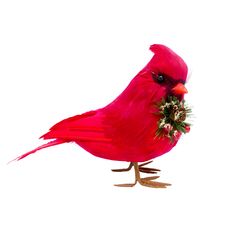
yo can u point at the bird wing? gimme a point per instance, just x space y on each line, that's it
85 127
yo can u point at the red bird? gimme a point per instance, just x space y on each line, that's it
126 129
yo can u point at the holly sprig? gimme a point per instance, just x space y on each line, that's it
173 114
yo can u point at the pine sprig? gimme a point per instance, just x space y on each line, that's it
173 114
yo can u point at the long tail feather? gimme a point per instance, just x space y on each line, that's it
49 144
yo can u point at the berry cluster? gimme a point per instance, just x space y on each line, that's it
173 115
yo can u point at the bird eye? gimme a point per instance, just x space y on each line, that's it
159 78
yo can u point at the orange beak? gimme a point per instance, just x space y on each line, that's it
179 89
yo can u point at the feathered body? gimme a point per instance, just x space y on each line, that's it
125 129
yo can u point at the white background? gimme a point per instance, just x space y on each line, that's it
61 58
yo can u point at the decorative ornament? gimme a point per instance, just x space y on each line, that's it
123 130
172 122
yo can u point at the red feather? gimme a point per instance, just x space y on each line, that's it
49 144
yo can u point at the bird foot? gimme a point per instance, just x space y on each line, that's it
147 169
125 169
141 168
147 182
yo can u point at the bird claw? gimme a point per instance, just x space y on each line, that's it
150 178
124 185
145 163
124 169
141 168
153 184
120 170
148 170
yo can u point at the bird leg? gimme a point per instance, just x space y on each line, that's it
148 181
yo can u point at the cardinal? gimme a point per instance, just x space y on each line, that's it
144 122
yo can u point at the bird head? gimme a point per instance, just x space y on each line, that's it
167 72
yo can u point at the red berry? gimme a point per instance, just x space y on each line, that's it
187 128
